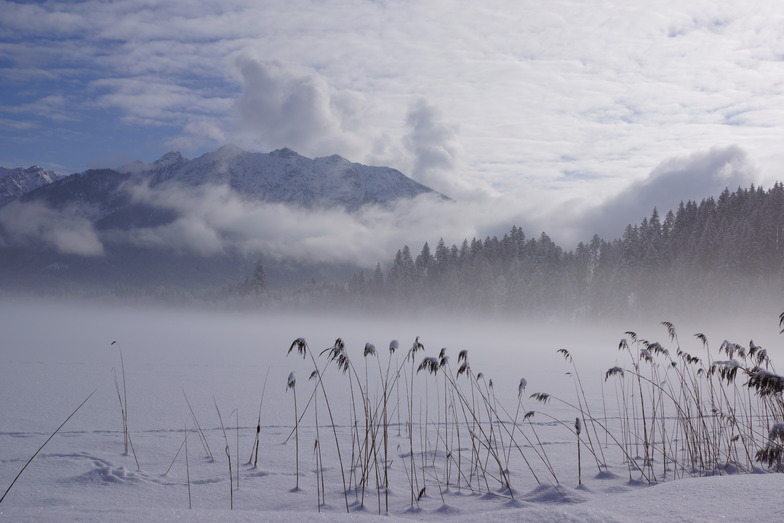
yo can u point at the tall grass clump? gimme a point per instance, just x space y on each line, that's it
716 409
302 349
679 414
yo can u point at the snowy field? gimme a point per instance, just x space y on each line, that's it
55 355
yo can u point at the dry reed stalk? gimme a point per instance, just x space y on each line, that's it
578 430
291 383
71 415
317 451
227 451
255 447
187 468
202 438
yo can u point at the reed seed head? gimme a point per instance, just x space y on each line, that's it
541 397
429 364
727 370
670 330
521 387
612 372
656 348
776 432
301 345
765 382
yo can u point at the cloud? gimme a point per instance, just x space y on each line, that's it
285 107
17 125
693 177
434 148
63 230
605 93
212 219
53 107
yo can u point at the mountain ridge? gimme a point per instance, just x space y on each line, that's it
285 176
280 176
17 181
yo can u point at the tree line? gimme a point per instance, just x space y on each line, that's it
720 253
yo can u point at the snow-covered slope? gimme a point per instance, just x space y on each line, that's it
16 182
287 177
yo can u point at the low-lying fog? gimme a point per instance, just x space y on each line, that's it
55 353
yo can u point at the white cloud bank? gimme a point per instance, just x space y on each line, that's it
214 220
693 177
64 230
285 107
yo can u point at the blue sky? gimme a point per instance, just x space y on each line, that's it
544 109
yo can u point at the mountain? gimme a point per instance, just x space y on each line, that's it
170 222
18 181
286 177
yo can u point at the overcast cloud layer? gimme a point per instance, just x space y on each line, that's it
526 111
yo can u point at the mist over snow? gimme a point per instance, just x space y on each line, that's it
224 363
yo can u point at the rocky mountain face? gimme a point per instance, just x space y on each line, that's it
16 182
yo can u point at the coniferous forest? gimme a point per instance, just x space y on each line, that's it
724 253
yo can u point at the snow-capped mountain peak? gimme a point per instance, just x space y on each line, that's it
170 158
16 182
285 176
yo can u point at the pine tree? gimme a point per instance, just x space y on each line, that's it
259 278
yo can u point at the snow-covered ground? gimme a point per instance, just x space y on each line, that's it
55 354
